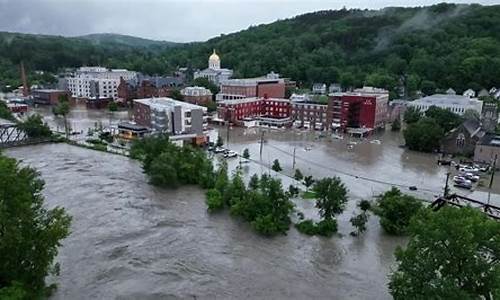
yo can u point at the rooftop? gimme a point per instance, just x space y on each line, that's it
167 103
445 99
249 100
490 139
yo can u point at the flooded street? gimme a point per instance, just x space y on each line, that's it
131 240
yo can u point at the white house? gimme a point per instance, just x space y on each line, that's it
470 93
90 82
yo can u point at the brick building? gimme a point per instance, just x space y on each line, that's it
363 108
310 115
275 111
49 96
147 87
270 86
197 95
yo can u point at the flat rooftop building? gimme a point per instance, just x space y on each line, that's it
455 103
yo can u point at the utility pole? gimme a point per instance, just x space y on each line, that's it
294 148
491 179
446 188
261 143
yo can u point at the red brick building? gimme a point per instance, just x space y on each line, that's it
197 95
311 115
235 111
363 108
147 87
270 86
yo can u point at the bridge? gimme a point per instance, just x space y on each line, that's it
460 201
12 136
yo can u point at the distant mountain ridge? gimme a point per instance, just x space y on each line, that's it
128 40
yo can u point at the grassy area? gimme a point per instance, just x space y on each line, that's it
309 195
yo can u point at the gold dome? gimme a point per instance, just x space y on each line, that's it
214 56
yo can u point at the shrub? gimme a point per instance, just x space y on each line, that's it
214 200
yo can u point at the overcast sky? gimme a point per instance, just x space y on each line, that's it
171 20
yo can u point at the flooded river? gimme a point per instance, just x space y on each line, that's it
131 240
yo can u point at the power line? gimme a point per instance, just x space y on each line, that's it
347 173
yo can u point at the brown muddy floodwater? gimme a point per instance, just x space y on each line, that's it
131 240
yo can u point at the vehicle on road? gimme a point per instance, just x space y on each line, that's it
472 177
230 154
220 150
464 184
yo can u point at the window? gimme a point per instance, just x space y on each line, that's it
460 141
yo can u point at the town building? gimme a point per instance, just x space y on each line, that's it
462 140
166 115
147 87
97 82
310 115
455 103
487 149
214 72
489 117
197 95
49 96
334 88
269 86
132 131
360 111
267 111
470 93
319 88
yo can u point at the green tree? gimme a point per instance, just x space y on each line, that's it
30 233
34 127
412 115
276 166
471 114
214 200
396 125
177 95
204 82
62 109
395 211
112 106
331 195
452 254
359 223
246 154
5 112
298 175
253 184
444 117
365 205
425 135
220 141
308 181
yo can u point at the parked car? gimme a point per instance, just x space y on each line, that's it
484 168
219 150
464 184
472 177
230 154
459 179
413 188
469 170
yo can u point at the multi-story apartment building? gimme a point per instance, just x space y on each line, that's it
364 108
269 86
166 115
310 115
96 82
270 111
196 95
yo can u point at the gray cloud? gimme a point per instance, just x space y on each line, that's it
173 20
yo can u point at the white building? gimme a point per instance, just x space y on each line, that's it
470 93
214 72
97 82
170 116
195 91
455 103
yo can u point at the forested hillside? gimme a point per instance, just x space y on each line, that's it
425 48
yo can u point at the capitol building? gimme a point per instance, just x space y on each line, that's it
214 72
